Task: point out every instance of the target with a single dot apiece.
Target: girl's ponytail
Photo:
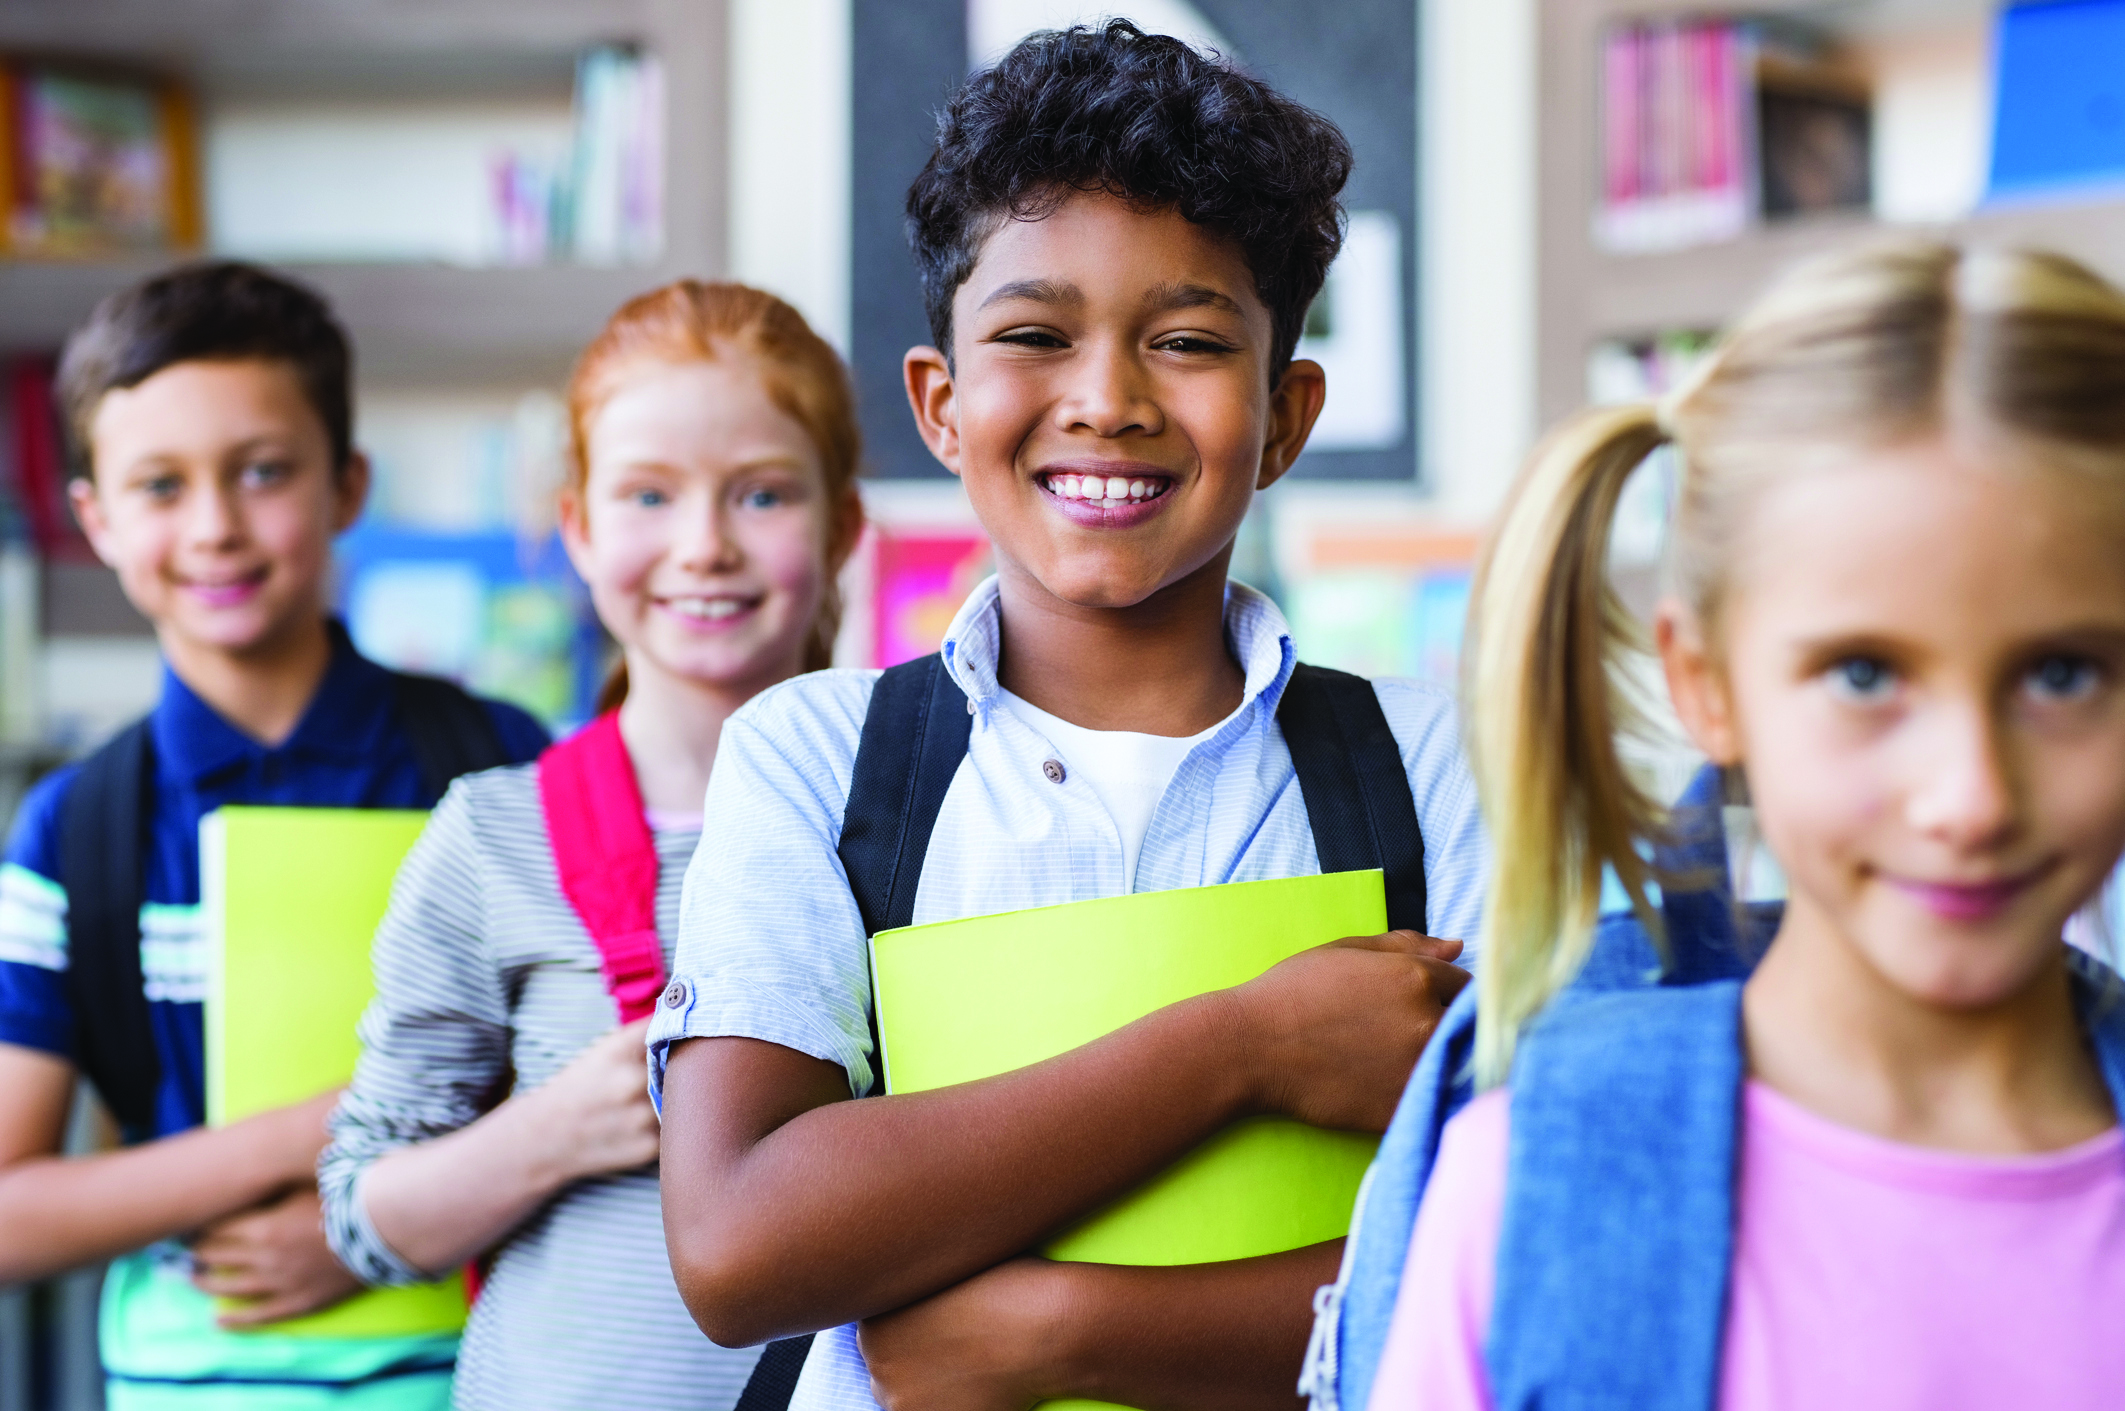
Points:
(1546, 627)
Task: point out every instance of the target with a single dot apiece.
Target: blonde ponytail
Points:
(1546, 627)
(1867, 348)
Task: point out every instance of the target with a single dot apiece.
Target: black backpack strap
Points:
(102, 861)
(774, 1378)
(450, 732)
(1356, 790)
(914, 736)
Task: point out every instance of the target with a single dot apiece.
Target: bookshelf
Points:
(1586, 293)
(413, 322)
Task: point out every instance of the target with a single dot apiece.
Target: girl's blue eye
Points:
(2063, 678)
(1862, 678)
(649, 499)
(762, 499)
(265, 473)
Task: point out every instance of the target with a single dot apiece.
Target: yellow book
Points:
(961, 1000)
(292, 897)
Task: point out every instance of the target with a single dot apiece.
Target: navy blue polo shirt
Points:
(348, 751)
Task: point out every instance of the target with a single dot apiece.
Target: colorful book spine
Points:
(1675, 102)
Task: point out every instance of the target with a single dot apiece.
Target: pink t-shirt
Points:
(1866, 1274)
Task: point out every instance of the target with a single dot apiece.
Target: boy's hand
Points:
(983, 1345)
(296, 1135)
(1331, 1034)
(596, 1112)
(275, 1258)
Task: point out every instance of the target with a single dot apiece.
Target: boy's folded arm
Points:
(58, 1212)
(1225, 1335)
(789, 1208)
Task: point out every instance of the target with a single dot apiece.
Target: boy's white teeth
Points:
(1108, 491)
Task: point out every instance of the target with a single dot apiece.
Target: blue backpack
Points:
(1614, 1254)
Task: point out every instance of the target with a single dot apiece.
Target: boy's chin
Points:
(234, 631)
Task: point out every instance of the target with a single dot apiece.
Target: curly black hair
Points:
(1146, 119)
(207, 312)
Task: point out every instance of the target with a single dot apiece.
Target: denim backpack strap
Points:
(1351, 1315)
(1351, 775)
(103, 866)
(606, 857)
(2099, 997)
(1618, 1230)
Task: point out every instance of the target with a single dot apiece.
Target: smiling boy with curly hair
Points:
(1119, 238)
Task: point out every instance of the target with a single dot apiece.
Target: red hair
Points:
(692, 321)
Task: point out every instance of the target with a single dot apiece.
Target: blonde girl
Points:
(1885, 1171)
(710, 504)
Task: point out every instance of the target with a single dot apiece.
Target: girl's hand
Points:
(983, 1345)
(274, 1258)
(1331, 1034)
(595, 1113)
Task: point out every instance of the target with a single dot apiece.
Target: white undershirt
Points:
(1127, 771)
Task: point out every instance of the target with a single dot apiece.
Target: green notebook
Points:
(292, 897)
(960, 1000)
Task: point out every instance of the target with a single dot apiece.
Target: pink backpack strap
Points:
(607, 858)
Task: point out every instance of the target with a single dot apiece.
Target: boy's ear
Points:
(935, 402)
(350, 489)
(1294, 405)
(88, 513)
(1696, 683)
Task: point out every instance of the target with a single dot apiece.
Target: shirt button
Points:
(1055, 771)
(675, 995)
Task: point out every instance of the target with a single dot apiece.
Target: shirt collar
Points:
(1255, 633)
(346, 719)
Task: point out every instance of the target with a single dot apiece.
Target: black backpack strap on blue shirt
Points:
(103, 866)
(1356, 789)
(914, 736)
(448, 731)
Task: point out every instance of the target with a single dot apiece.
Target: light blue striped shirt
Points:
(771, 945)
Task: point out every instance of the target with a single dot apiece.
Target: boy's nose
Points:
(1112, 396)
(214, 517)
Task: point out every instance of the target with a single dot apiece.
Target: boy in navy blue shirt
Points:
(209, 409)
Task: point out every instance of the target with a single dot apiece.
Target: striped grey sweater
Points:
(483, 971)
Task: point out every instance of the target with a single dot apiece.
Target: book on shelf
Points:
(602, 202)
(95, 162)
(1708, 126)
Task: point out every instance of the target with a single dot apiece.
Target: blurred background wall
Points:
(1556, 200)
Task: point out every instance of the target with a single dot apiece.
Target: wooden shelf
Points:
(1585, 293)
(410, 323)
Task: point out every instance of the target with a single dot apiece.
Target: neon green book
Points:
(292, 897)
(961, 1000)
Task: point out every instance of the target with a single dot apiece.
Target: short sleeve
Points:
(34, 1009)
(1433, 1360)
(771, 945)
(435, 1040)
(1427, 726)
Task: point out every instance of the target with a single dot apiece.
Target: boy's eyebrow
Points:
(1040, 291)
(1166, 298)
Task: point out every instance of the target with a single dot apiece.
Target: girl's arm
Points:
(59, 1213)
(789, 1208)
(435, 1050)
(440, 1203)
